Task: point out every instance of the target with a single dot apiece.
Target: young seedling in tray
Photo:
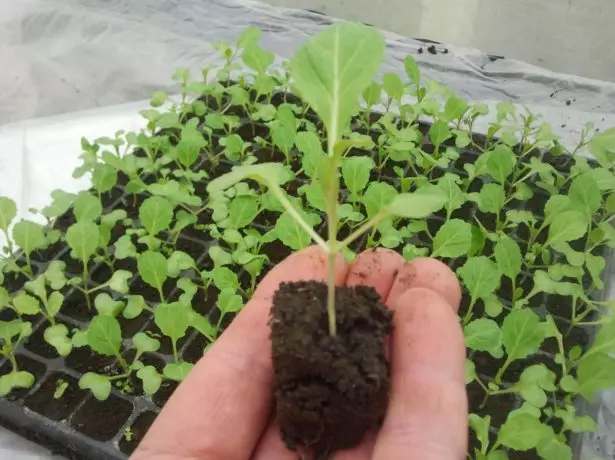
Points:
(330, 72)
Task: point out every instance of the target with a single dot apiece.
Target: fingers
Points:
(376, 268)
(229, 389)
(271, 446)
(430, 274)
(427, 413)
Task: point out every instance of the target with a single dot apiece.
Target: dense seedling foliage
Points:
(148, 267)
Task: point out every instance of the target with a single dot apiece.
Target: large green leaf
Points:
(29, 236)
(8, 211)
(508, 257)
(453, 239)
(105, 335)
(522, 432)
(83, 239)
(522, 334)
(156, 214)
(333, 68)
(480, 275)
(153, 268)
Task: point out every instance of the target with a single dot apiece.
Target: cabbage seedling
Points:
(330, 72)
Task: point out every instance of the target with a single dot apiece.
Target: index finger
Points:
(427, 412)
(230, 389)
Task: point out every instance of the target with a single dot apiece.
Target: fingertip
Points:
(376, 268)
(428, 273)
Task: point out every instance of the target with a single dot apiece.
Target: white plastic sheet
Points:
(67, 64)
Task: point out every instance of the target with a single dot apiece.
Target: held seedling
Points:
(330, 72)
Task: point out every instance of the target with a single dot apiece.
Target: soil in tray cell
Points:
(24, 363)
(139, 287)
(329, 390)
(498, 406)
(193, 247)
(57, 397)
(276, 251)
(165, 391)
(84, 360)
(132, 437)
(49, 253)
(102, 420)
(13, 281)
(75, 306)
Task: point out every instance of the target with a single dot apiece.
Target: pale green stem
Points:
(361, 230)
(295, 215)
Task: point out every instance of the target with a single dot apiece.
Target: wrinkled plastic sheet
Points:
(73, 68)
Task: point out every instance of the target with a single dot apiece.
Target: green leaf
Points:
(602, 147)
(134, 306)
(124, 248)
(585, 194)
(104, 177)
(269, 174)
(604, 341)
(16, 327)
(156, 214)
(455, 108)
(60, 204)
(522, 432)
(257, 58)
(151, 379)
(177, 371)
(595, 266)
(372, 94)
(178, 262)
(172, 319)
(356, 172)
(87, 207)
(15, 379)
(481, 425)
(29, 236)
(119, 281)
(484, 335)
(333, 68)
(453, 239)
(105, 305)
(393, 86)
(83, 238)
(534, 382)
(493, 306)
(522, 334)
(491, 198)
(153, 269)
(508, 257)
(501, 163)
(8, 212)
(454, 196)
(480, 276)
(105, 335)
(567, 226)
(190, 144)
(54, 303)
(26, 304)
(99, 385)
(291, 233)
(158, 98)
(229, 302)
(309, 145)
(378, 196)
(412, 70)
(57, 337)
(144, 343)
(424, 202)
(243, 210)
(55, 274)
(219, 256)
(439, 132)
(224, 278)
(551, 448)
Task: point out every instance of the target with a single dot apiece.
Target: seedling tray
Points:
(80, 427)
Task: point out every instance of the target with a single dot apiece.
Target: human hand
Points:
(222, 411)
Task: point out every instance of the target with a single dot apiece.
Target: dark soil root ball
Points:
(329, 390)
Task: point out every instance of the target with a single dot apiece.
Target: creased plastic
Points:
(73, 68)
